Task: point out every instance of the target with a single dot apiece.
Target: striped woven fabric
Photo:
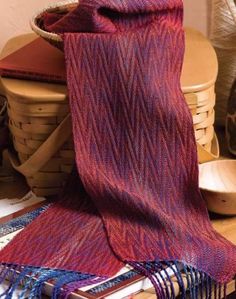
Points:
(20, 222)
(134, 198)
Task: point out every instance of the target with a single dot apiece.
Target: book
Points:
(38, 61)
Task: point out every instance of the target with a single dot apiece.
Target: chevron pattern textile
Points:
(134, 197)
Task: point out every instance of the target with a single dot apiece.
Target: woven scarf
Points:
(134, 197)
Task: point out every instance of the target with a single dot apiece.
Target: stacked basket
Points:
(201, 105)
(41, 128)
(42, 138)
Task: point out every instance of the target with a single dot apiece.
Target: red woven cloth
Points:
(135, 150)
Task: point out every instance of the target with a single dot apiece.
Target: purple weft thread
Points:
(28, 284)
(179, 279)
(198, 281)
(192, 287)
(215, 290)
(225, 290)
(153, 271)
(10, 276)
(164, 279)
(141, 269)
(73, 286)
(4, 274)
(62, 280)
(170, 282)
(219, 291)
(17, 281)
(38, 285)
(207, 287)
(68, 278)
(210, 287)
(187, 277)
(202, 284)
(163, 282)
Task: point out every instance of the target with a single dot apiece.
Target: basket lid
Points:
(200, 66)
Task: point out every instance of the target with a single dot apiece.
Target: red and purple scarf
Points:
(134, 198)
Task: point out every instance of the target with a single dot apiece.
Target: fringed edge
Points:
(32, 282)
(172, 279)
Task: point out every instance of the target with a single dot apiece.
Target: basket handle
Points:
(45, 152)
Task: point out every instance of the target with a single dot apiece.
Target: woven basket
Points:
(201, 105)
(41, 134)
(61, 7)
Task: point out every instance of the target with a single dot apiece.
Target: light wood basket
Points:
(60, 7)
(42, 137)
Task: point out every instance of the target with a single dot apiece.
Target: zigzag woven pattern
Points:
(138, 199)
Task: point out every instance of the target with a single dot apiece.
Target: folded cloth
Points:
(135, 196)
(47, 64)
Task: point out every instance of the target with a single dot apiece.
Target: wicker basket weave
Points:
(61, 7)
(41, 134)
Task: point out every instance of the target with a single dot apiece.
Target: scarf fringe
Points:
(180, 280)
(169, 279)
(32, 282)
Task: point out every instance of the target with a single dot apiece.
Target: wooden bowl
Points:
(217, 181)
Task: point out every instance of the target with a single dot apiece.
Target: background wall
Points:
(15, 15)
(198, 14)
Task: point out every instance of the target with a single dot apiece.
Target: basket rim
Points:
(45, 34)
